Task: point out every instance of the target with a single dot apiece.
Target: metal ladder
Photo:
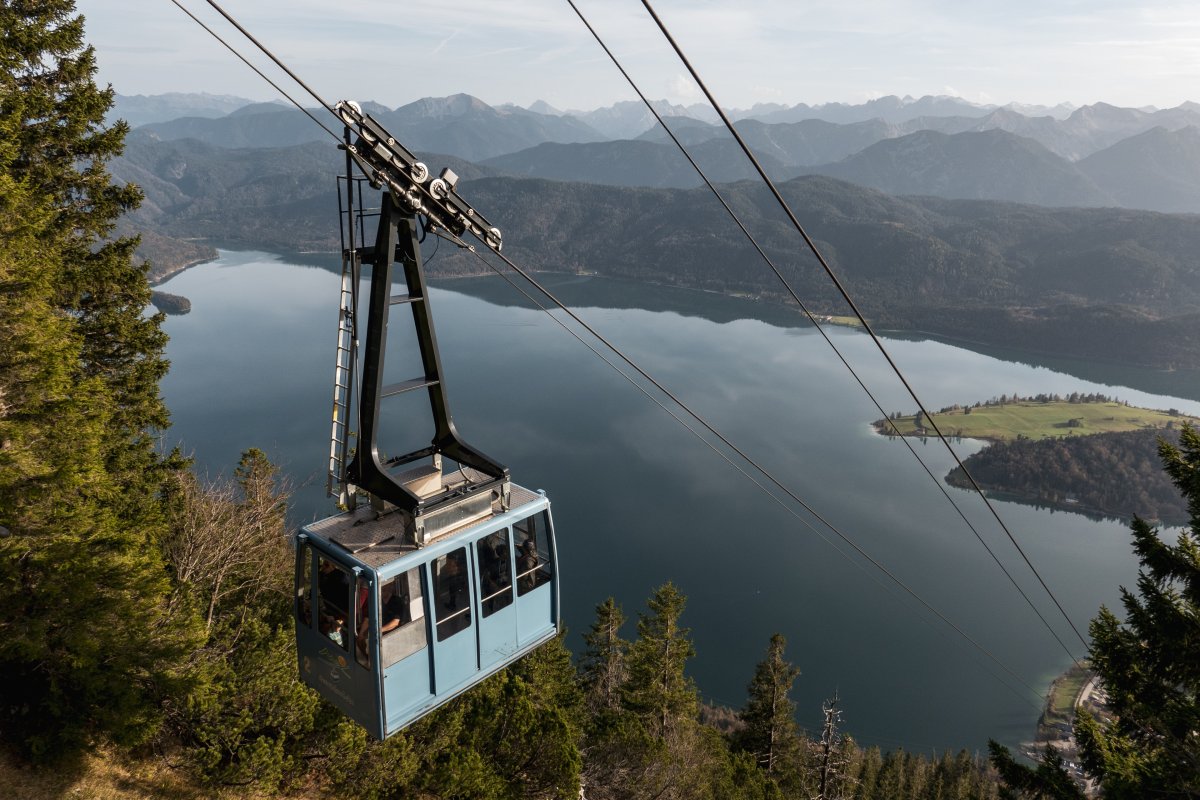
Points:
(343, 376)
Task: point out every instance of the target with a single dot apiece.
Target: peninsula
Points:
(1085, 453)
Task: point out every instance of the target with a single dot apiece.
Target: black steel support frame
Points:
(396, 240)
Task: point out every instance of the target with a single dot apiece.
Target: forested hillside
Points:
(1107, 474)
(1095, 283)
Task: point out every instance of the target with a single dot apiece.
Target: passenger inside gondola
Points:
(494, 572)
(334, 626)
(527, 566)
(533, 559)
(450, 590)
(402, 617)
(304, 588)
(362, 593)
(394, 606)
(333, 590)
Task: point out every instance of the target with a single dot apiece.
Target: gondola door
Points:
(328, 612)
(455, 646)
(494, 588)
(404, 647)
(537, 596)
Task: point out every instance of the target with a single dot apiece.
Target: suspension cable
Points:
(271, 56)
(854, 307)
(817, 324)
(259, 72)
(725, 456)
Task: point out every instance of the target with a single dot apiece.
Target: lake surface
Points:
(638, 500)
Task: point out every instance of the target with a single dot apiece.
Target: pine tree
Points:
(602, 667)
(866, 776)
(769, 714)
(1150, 663)
(1047, 781)
(87, 647)
(658, 690)
(617, 749)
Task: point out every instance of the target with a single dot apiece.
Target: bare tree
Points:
(229, 538)
(833, 778)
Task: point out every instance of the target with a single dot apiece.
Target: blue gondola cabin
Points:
(387, 631)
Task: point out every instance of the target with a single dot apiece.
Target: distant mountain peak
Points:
(1104, 111)
(542, 107)
(373, 108)
(1060, 111)
(269, 107)
(455, 105)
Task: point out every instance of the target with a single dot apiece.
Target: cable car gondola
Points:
(387, 631)
(441, 570)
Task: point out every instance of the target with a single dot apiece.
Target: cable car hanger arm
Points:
(388, 163)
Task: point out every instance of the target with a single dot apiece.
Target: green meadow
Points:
(1037, 420)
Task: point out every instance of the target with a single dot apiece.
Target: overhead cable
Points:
(257, 71)
(770, 477)
(854, 307)
(817, 324)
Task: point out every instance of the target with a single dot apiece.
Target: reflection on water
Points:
(638, 500)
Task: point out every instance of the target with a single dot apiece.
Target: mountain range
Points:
(981, 234)
(461, 125)
(141, 109)
(1097, 155)
(985, 165)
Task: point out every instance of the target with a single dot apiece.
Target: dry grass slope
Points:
(106, 775)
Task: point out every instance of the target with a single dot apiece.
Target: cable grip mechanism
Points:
(389, 163)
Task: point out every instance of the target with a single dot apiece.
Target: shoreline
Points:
(159, 279)
(1078, 687)
(984, 346)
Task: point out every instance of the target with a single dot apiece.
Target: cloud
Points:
(438, 47)
(1127, 52)
(684, 90)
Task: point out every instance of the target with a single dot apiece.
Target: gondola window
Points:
(533, 553)
(495, 572)
(402, 606)
(450, 592)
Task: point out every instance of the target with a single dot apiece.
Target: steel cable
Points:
(853, 307)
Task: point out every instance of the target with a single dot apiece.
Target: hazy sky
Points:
(787, 51)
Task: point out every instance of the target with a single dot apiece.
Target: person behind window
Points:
(334, 588)
(336, 629)
(492, 587)
(502, 563)
(395, 608)
(453, 580)
(527, 565)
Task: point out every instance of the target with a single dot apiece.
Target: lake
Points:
(638, 500)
